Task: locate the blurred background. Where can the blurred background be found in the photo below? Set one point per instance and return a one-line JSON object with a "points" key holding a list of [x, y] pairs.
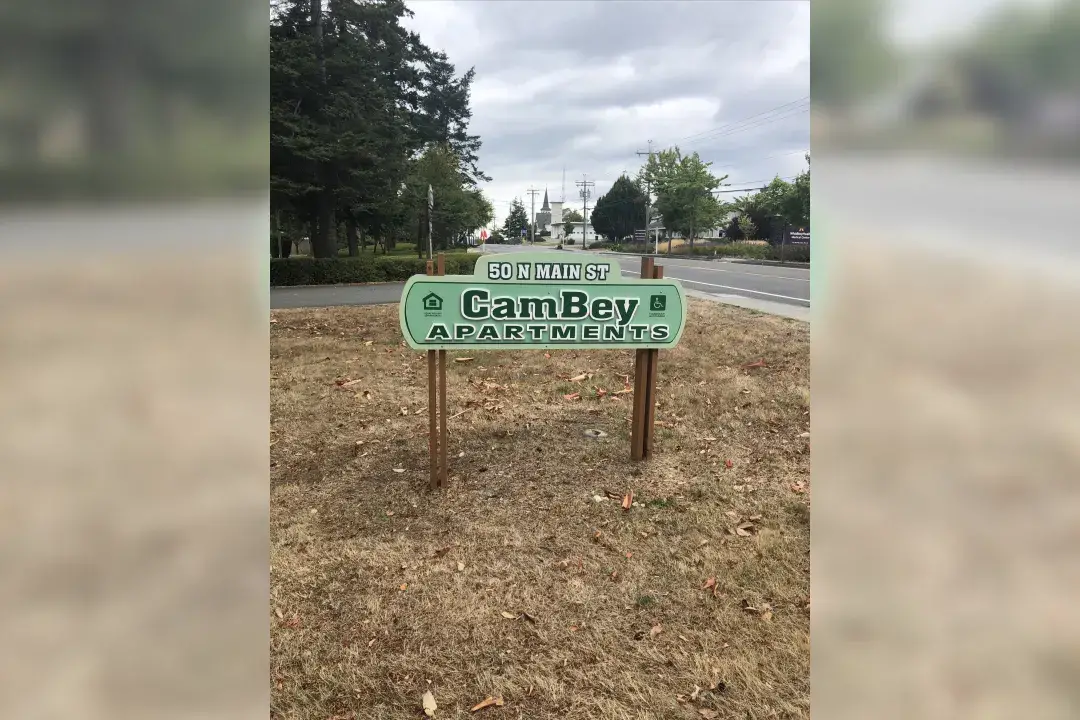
{"points": [[108, 99], [133, 347], [946, 139], [994, 78]]}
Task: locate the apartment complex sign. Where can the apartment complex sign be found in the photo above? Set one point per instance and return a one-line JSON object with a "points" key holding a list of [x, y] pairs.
{"points": [[524, 301]]}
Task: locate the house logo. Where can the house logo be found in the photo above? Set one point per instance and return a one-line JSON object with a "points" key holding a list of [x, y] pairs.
{"points": [[432, 303]]}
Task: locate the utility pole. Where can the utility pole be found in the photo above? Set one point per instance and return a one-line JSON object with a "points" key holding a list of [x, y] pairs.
{"points": [[648, 202], [585, 192], [532, 215]]}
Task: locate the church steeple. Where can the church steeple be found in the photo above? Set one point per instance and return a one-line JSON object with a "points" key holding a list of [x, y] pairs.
{"points": [[546, 207]]}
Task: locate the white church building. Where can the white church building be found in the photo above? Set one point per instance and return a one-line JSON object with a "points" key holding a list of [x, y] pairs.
{"points": [[550, 219]]}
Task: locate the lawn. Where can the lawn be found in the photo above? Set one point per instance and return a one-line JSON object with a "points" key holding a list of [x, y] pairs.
{"points": [[526, 581]]}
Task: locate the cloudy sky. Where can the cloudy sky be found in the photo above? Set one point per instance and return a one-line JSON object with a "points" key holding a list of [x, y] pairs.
{"points": [[582, 86]]}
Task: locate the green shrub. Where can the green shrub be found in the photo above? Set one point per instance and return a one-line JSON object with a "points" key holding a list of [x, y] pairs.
{"points": [[333, 271]]}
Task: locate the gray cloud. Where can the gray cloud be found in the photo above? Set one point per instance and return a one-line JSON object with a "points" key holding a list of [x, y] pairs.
{"points": [[584, 85]]}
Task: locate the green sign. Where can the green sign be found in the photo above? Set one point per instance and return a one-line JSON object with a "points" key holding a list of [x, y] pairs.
{"points": [[517, 301]]}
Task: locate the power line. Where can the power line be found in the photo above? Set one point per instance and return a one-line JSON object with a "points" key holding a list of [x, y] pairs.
{"points": [[739, 122], [750, 126]]}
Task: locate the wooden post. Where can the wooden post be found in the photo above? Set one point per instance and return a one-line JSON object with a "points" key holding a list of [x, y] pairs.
{"points": [[443, 470], [650, 393], [638, 429], [433, 438]]}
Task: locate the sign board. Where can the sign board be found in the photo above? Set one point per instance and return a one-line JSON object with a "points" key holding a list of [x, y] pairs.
{"points": [[534, 301], [639, 236], [798, 236], [523, 232]]}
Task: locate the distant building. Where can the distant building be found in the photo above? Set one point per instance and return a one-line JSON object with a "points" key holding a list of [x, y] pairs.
{"points": [[543, 218], [580, 234]]}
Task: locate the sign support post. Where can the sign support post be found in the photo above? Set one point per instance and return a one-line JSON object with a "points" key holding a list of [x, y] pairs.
{"points": [[437, 433], [442, 399], [433, 438], [645, 361]]}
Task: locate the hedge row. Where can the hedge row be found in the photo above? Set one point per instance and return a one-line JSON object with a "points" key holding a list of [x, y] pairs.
{"points": [[737, 249], [332, 271]]}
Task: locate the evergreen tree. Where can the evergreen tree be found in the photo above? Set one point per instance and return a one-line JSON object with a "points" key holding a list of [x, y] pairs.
{"points": [[620, 210], [515, 222]]}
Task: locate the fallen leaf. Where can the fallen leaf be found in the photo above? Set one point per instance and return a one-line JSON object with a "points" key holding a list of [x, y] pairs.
{"points": [[732, 514], [461, 566], [443, 550], [404, 586], [710, 583], [509, 616], [759, 363], [399, 470], [708, 714], [578, 378], [368, 343], [754, 518], [463, 359], [614, 574], [371, 642], [681, 698], [728, 463], [273, 320], [572, 396], [804, 435], [628, 500], [389, 513], [767, 615], [799, 486], [429, 704], [281, 616], [341, 381], [547, 355], [486, 703], [656, 630], [528, 617], [596, 537], [748, 607], [350, 383], [404, 411], [745, 529], [694, 695]]}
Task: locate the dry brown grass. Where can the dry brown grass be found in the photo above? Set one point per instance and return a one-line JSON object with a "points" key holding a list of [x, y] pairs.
{"points": [[381, 590]]}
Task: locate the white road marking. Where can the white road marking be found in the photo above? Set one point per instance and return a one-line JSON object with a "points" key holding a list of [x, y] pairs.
{"points": [[667, 262], [729, 287]]}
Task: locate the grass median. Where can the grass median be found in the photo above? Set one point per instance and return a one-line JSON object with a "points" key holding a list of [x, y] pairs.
{"points": [[526, 580]]}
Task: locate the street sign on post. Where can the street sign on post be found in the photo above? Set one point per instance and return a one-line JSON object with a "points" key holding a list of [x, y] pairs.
{"points": [[529, 302]]}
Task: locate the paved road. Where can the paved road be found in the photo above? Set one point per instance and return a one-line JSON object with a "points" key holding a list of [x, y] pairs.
{"points": [[770, 283], [762, 284], [334, 295]]}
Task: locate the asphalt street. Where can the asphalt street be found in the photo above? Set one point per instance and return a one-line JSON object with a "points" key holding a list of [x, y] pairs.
{"points": [[779, 284], [760, 283]]}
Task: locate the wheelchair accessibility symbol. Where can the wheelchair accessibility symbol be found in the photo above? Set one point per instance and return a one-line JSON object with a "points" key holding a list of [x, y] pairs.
{"points": [[658, 302]]}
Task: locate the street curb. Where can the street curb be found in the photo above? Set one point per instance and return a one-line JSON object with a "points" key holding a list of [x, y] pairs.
{"points": [[333, 285], [771, 263], [792, 312]]}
